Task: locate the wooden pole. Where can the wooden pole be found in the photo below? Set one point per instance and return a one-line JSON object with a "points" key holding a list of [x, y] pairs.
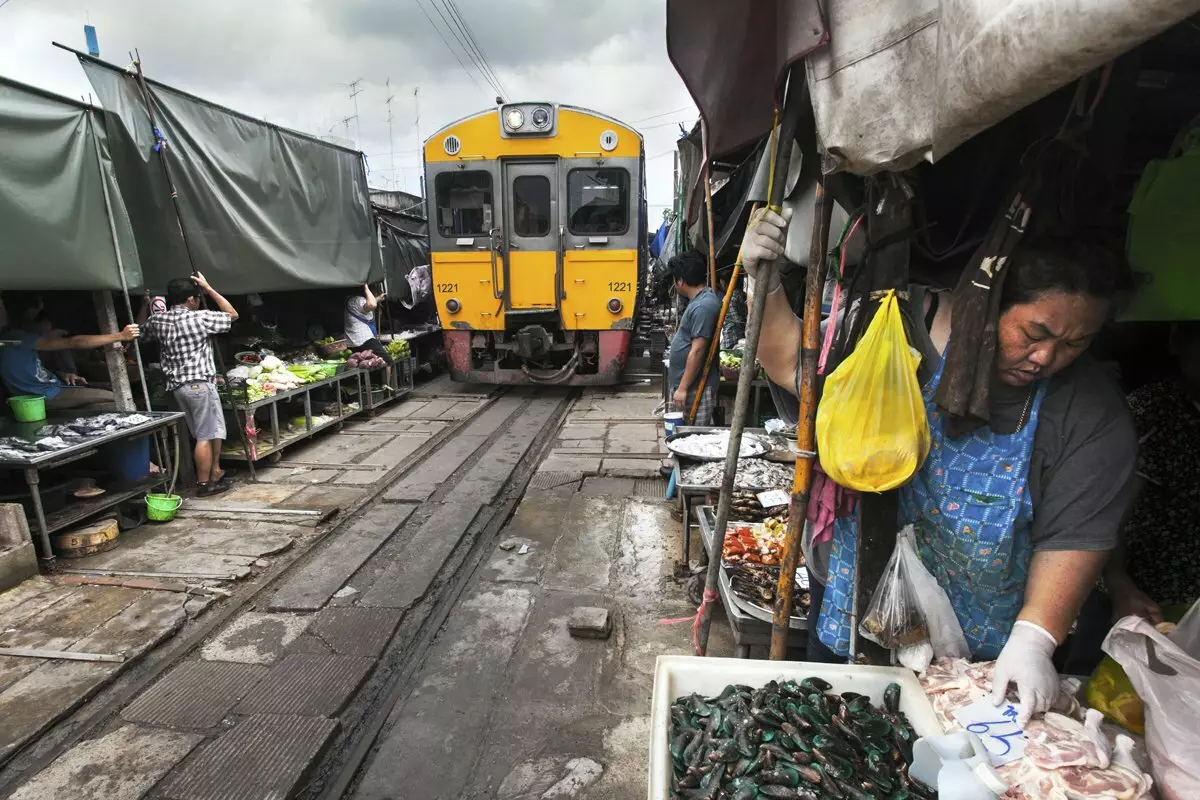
{"points": [[714, 346], [708, 208], [806, 429], [797, 97]]}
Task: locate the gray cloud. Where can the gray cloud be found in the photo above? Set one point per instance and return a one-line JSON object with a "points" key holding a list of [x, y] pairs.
{"points": [[290, 62]]}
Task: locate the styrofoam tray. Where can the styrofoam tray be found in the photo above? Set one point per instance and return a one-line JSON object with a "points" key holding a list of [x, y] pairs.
{"points": [[676, 676]]}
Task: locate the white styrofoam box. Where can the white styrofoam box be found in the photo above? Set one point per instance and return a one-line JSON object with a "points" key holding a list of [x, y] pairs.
{"points": [[677, 676]]}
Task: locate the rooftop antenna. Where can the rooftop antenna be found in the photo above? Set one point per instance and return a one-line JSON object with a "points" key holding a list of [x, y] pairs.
{"points": [[346, 122], [355, 91]]}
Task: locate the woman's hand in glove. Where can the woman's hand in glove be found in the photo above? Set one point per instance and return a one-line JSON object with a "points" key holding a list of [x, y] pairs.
{"points": [[1027, 661], [766, 234]]}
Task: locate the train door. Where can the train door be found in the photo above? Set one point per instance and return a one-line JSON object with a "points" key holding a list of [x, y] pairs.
{"points": [[531, 237]]}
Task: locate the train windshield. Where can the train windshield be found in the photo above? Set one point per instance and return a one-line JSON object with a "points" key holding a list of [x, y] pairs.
{"points": [[598, 201], [464, 203]]}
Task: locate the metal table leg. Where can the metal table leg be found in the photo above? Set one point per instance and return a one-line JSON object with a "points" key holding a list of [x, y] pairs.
{"points": [[687, 529], [32, 479]]}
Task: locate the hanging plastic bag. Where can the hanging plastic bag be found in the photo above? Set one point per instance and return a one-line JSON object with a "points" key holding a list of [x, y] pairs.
{"points": [[910, 613], [1166, 674], [871, 427]]}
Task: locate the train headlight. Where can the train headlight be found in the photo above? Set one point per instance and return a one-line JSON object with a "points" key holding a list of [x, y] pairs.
{"points": [[541, 118], [514, 118], [453, 305], [615, 305]]}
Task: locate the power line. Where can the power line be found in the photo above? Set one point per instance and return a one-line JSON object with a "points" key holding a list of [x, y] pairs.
{"points": [[663, 114], [455, 29], [661, 125], [441, 36], [452, 7]]}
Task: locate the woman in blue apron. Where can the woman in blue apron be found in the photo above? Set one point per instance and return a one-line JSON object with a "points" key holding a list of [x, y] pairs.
{"points": [[1016, 518]]}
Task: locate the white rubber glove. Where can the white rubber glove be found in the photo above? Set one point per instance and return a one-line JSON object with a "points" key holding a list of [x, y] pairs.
{"points": [[1026, 660], [766, 235]]}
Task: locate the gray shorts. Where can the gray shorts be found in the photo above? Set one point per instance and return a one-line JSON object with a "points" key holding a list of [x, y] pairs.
{"points": [[200, 403]]}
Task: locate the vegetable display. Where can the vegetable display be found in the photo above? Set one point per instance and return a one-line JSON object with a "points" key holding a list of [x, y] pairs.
{"points": [[272, 375], [398, 348], [365, 360]]}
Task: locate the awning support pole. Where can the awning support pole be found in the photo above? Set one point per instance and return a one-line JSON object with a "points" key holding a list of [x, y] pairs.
{"points": [[796, 98], [806, 427], [708, 208]]}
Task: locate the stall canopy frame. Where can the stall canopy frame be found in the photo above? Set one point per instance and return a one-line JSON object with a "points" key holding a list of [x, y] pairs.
{"points": [[55, 229], [265, 208]]}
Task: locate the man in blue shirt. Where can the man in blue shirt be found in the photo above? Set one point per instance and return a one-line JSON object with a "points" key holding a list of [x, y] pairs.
{"points": [[24, 373], [689, 345]]}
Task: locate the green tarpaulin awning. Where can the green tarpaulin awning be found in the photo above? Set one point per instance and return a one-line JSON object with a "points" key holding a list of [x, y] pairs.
{"points": [[264, 208], [57, 227]]}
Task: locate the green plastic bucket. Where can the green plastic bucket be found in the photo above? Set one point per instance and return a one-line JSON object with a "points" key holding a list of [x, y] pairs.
{"points": [[162, 507], [28, 407]]}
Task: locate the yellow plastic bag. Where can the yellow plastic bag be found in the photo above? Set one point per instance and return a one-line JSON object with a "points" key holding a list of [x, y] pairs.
{"points": [[1110, 692], [872, 432]]}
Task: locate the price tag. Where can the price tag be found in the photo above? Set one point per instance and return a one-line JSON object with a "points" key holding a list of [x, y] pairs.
{"points": [[773, 498], [997, 727]]}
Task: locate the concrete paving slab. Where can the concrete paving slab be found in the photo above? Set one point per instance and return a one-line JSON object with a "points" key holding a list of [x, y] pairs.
{"points": [[354, 631], [38, 700], [570, 447], [407, 580], [122, 765], [632, 438], [459, 410], [140, 626], [394, 452], [536, 522], [297, 475], [30, 598], [431, 409], [360, 477], [488, 476], [247, 494], [262, 757], [592, 432], [434, 736], [196, 694], [325, 497], [562, 462], [309, 686], [420, 484], [630, 467], [334, 448], [405, 409], [600, 487], [69, 620], [582, 556], [255, 638], [309, 587]]}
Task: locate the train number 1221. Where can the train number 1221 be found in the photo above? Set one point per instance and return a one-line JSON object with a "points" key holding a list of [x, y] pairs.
{"points": [[447, 287], [620, 286]]}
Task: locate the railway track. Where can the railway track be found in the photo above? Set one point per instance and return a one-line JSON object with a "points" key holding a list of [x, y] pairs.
{"points": [[495, 472]]}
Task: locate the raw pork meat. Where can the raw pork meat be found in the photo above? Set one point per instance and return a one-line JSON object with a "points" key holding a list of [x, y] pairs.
{"points": [[1055, 741]]}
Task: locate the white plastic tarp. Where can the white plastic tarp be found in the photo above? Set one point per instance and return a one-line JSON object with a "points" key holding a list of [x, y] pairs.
{"points": [[905, 80]]}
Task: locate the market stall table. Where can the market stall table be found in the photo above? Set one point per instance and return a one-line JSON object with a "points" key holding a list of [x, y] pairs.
{"points": [[33, 464], [392, 384], [750, 625], [280, 439]]}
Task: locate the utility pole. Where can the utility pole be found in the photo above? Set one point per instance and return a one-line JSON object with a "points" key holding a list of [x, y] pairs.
{"points": [[420, 144], [354, 93], [391, 140]]}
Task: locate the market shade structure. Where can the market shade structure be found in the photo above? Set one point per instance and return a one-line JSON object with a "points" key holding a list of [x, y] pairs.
{"points": [[264, 208], [902, 82], [55, 227]]}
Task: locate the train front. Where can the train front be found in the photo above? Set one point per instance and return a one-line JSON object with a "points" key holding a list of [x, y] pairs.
{"points": [[537, 238]]}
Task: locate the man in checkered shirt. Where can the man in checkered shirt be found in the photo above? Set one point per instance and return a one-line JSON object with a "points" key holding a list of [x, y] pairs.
{"points": [[184, 334]]}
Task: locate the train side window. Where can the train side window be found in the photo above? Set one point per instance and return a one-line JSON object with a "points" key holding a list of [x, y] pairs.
{"points": [[598, 201], [531, 205], [464, 203]]}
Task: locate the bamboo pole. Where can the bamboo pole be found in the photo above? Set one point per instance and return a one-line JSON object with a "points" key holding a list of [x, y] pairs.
{"points": [[797, 96], [806, 428], [708, 207], [714, 346]]}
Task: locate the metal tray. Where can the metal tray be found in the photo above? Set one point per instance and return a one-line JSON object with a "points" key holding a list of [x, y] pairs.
{"points": [[747, 438]]}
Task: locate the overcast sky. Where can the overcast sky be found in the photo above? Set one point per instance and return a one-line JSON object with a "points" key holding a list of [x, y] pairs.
{"points": [[290, 61]]}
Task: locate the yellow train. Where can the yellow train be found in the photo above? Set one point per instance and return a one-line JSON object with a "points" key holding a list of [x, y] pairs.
{"points": [[537, 232]]}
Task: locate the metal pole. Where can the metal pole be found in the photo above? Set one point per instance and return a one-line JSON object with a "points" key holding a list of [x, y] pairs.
{"points": [[797, 96], [162, 157], [112, 232], [806, 428], [708, 207]]}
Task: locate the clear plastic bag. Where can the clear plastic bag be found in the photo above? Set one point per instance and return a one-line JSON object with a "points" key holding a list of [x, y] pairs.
{"points": [[1165, 671], [909, 612], [872, 432]]}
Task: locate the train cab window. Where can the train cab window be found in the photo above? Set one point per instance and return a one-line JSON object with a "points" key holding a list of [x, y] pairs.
{"points": [[464, 203], [531, 205], [598, 201]]}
